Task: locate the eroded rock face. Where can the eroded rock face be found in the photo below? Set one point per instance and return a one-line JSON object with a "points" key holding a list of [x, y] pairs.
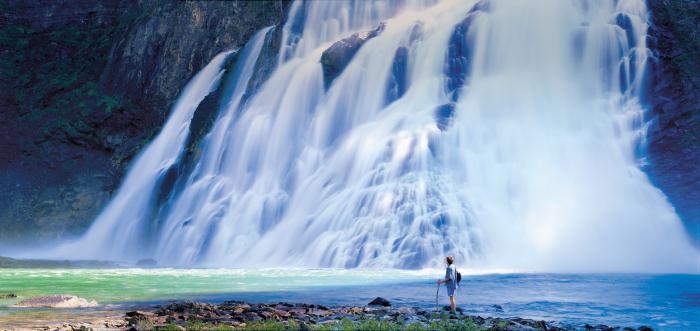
{"points": [[674, 97], [336, 58], [56, 301], [85, 85]]}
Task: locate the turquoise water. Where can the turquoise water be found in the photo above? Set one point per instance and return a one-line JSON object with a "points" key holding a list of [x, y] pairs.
{"points": [[666, 302]]}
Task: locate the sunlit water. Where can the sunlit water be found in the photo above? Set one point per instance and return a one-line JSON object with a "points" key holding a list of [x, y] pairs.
{"points": [[666, 302]]}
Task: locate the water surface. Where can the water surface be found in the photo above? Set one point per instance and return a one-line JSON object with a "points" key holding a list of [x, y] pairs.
{"points": [[666, 302]]}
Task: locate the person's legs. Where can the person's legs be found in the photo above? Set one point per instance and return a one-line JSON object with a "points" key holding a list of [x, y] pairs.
{"points": [[453, 304]]}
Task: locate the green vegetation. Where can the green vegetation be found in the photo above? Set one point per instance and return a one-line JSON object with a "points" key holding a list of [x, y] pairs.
{"points": [[465, 324], [53, 77], [6, 262], [57, 115]]}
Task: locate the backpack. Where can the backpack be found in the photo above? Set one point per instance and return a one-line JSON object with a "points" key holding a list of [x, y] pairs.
{"points": [[459, 276]]}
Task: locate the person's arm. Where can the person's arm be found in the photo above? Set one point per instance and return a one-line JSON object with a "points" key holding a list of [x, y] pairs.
{"points": [[447, 277]]}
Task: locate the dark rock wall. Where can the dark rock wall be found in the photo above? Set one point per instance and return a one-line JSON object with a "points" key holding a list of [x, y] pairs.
{"points": [[85, 84], [674, 97]]}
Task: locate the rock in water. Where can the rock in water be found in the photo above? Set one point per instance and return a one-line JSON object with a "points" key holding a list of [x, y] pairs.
{"points": [[149, 263], [335, 58], [56, 301], [7, 295], [379, 301]]}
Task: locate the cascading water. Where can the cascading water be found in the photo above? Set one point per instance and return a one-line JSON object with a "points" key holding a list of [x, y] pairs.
{"points": [[124, 219], [507, 133]]}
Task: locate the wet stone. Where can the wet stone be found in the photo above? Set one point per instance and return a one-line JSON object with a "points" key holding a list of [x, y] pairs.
{"points": [[304, 315]]}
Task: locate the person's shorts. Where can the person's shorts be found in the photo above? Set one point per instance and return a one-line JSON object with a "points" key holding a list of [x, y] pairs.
{"points": [[450, 291]]}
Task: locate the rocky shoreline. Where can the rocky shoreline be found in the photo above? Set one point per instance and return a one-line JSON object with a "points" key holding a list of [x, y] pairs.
{"points": [[378, 315]]}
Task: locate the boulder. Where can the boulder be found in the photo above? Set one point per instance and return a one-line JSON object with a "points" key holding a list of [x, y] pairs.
{"points": [[136, 317], [336, 58], [186, 307], [398, 79], [56, 301], [407, 311], [444, 116], [148, 263], [379, 301], [319, 312]]}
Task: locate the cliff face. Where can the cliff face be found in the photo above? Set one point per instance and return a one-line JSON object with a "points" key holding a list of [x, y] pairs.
{"points": [[674, 98], [85, 85]]}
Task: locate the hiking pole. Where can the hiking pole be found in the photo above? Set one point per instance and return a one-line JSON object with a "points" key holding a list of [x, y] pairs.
{"points": [[436, 297]]}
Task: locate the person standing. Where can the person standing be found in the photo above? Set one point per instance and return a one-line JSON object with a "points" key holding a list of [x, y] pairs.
{"points": [[450, 282]]}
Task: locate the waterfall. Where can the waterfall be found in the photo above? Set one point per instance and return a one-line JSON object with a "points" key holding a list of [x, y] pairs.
{"points": [[506, 133]]}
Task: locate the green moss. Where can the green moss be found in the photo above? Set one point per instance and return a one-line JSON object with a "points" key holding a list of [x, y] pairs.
{"points": [[344, 324], [201, 326], [54, 74]]}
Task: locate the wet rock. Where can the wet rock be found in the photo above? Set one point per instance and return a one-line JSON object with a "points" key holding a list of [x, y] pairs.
{"points": [[336, 58], [600, 327], [398, 80], [444, 116], [252, 316], [281, 313], [187, 307], [297, 311], [539, 325], [149, 263], [139, 317], [56, 301], [319, 312], [309, 314], [379, 301], [645, 328], [406, 311], [355, 310], [267, 315], [448, 308], [674, 105], [8, 296], [459, 56]]}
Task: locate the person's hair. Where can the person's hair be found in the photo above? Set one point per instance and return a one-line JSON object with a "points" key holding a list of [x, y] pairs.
{"points": [[450, 260]]}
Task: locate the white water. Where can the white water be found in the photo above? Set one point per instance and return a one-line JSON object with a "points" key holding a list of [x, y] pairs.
{"points": [[538, 169]]}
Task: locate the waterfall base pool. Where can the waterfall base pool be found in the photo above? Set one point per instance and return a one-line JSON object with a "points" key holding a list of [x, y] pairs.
{"points": [[666, 302]]}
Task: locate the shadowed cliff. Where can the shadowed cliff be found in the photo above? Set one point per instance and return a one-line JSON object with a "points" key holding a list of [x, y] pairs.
{"points": [[85, 85], [674, 99]]}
